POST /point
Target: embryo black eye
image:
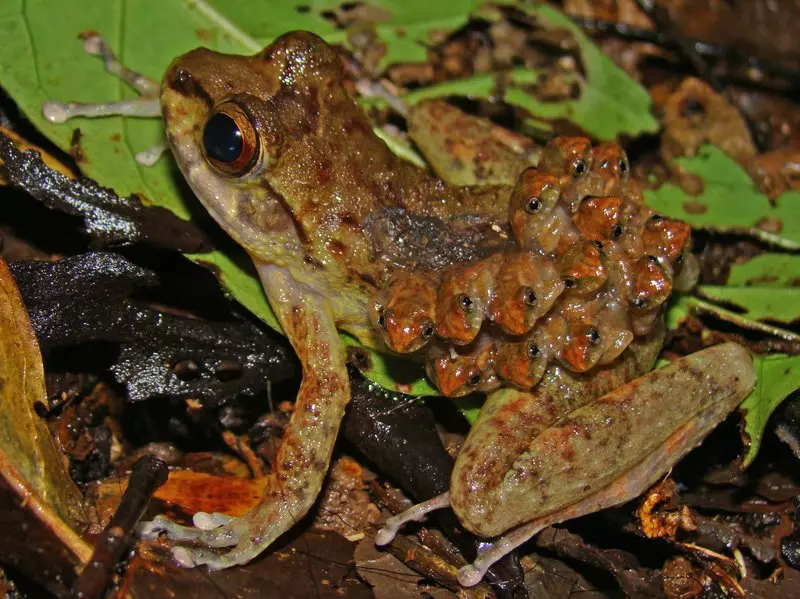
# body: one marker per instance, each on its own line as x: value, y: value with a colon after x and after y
x: 222, y: 138
x: 533, y: 205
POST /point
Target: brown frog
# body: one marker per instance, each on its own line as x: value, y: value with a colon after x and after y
x: 287, y: 164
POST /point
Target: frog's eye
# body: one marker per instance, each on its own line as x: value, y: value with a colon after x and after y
x: 465, y: 303
x: 474, y: 379
x: 427, y: 330
x: 533, y: 205
x: 593, y: 335
x: 623, y: 167
x: 230, y: 142
x: 381, y: 319
x: 533, y: 351
x: 578, y: 167
x: 616, y: 232
x: 570, y: 282
x: 528, y: 296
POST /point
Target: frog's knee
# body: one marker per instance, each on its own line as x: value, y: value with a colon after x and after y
x: 480, y: 513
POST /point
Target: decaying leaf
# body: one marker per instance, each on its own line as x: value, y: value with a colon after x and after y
x: 42, y: 507
x: 161, y: 354
x: 108, y: 219
x: 24, y: 145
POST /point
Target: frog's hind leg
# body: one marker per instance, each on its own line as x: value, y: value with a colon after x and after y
x: 415, y: 513
x: 681, y: 403
x: 302, y: 460
x: 705, y: 387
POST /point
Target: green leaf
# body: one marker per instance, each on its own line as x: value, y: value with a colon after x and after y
x: 767, y: 270
x: 757, y: 303
x: 730, y: 201
x: 395, y: 373
x: 609, y: 104
x: 778, y: 376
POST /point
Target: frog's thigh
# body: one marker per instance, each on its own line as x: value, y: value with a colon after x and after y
x: 605, y: 456
x: 307, y: 444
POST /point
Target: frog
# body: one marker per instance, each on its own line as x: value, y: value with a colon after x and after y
x: 281, y: 156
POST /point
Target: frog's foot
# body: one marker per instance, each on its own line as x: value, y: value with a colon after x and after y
x: 147, y: 106
x: 416, y: 513
x: 96, y: 45
x: 59, y: 112
x: 209, y: 531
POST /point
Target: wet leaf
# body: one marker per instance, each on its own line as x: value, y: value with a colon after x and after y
x: 608, y: 104
x: 394, y: 373
x: 778, y: 376
x: 161, y: 354
x: 756, y: 303
x: 46, y: 503
x: 730, y: 201
x: 767, y: 270
x: 107, y: 218
x: 23, y: 145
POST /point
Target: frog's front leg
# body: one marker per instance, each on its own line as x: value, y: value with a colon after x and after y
x: 305, y: 451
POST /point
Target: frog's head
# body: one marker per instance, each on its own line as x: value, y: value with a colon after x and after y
x: 243, y: 130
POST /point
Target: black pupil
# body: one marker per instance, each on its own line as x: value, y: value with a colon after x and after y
x: 580, y: 167
x: 533, y: 351
x: 616, y: 231
x: 466, y: 302
x: 623, y: 166
x: 534, y: 205
x: 427, y: 331
x: 382, y: 320
x: 222, y: 138
x: 530, y: 297
x: 594, y: 336
x: 569, y: 282
x: 474, y: 380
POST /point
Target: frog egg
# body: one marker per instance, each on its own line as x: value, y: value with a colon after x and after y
x: 584, y: 268
x: 611, y: 163
x: 650, y: 285
x: 599, y: 219
x: 526, y: 287
x: 583, y: 347
x: 522, y: 363
x: 665, y: 237
x: 460, y: 370
x: 404, y: 310
x: 531, y: 205
x: 463, y: 298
